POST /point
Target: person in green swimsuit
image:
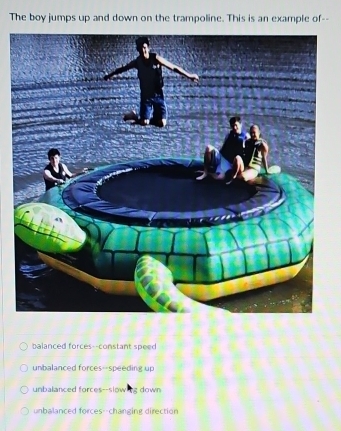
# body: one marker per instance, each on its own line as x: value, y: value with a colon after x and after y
x: 254, y: 153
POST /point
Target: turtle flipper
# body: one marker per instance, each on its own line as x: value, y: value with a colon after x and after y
x: 154, y: 283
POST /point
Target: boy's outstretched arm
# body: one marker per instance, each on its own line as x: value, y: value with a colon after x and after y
x: 120, y: 70
x: 163, y: 62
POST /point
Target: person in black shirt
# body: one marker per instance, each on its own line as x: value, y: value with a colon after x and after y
x: 153, y: 109
x: 56, y: 173
x: 218, y: 162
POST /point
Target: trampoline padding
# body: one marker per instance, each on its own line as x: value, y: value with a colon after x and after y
x: 164, y: 192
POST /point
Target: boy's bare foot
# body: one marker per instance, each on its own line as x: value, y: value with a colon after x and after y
x: 204, y: 175
x: 130, y: 116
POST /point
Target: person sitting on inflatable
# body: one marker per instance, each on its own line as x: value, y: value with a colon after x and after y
x: 56, y: 173
x: 218, y: 162
x: 247, y: 165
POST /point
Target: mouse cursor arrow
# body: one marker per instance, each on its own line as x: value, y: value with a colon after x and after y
x: 129, y: 388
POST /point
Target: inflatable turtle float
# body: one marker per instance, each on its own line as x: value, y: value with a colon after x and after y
x: 149, y: 228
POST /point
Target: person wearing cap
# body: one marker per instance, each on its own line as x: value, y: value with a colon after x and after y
x: 56, y: 173
x: 153, y: 108
x: 218, y: 162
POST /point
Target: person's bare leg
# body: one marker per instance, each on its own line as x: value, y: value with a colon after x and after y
x: 207, y: 161
x: 249, y: 174
x: 236, y: 171
x: 201, y: 177
x: 238, y: 167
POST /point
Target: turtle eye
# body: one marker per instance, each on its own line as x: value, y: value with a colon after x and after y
x: 58, y: 219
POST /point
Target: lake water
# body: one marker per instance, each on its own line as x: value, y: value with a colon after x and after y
x: 59, y: 99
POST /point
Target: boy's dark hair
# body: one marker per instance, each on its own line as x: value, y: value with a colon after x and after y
x: 140, y: 41
x: 53, y: 152
x: 234, y: 120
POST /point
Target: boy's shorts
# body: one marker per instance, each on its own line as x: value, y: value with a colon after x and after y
x: 153, y: 108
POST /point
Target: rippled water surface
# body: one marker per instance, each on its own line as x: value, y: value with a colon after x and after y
x: 59, y: 99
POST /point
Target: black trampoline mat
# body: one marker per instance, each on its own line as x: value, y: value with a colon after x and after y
x: 165, y: 193
x: 172, y: 190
